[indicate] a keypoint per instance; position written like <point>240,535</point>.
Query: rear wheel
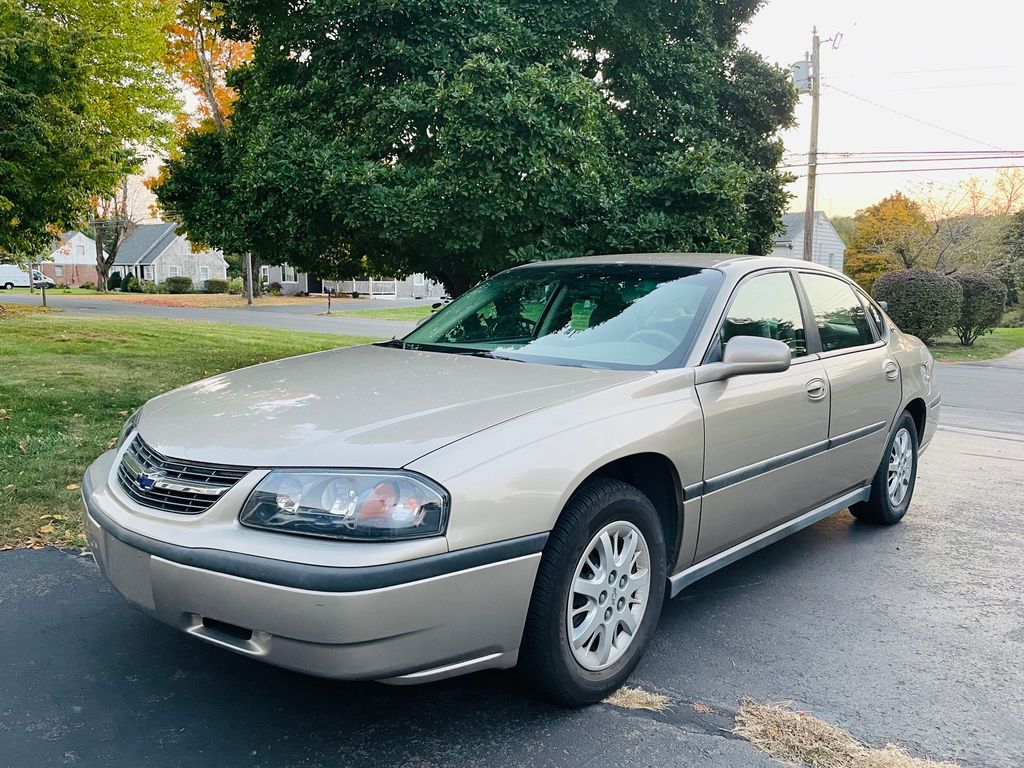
<point>598,594</point>
<point>893,484</point>
<point>8,286</point>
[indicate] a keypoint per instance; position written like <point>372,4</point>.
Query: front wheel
<point>8,286</point>
<point>893,484</point>
<point>598,594</point>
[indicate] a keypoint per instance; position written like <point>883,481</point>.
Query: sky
<point>956,66</point>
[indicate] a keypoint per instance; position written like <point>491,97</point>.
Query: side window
<point>766,306</point>
<point>838,312</point>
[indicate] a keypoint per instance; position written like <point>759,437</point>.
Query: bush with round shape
<point>274,288</point>
<point>236,286</point>
<point>922,302</point>
<point>179,284</point>
<point>114,281</point>
<point>216,285</point>
<point>131,285</point>
<point>982,309</point>
<point>147,286</point>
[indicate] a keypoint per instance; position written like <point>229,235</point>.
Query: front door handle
<point>816,389</point>
<point>891,370</point>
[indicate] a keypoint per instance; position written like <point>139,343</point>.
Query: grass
<point>637,698</point>
<point>407,314</point>
<point>67,384</point>
<point>798,738</point>
<point>1001,341</point>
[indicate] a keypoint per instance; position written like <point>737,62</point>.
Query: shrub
<point>982,309</point>
<point>236,286</point>
<point>179,284</point>
<point>355,294</point>
<point>163,288</point>
<point>114,281</point>
<point>131,284</point>
<point>147,286</point>
<point>89,285</point>
<point>216,285</point>
<point>1013,319</point>
<point>921,301</point>
<point>274,289</point>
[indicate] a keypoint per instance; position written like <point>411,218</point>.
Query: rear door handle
<point>891,370</point>
<point>816,389</point>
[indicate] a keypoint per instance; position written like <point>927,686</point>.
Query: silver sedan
<point>524,478</point>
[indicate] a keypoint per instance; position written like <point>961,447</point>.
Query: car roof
<point>727,262</point>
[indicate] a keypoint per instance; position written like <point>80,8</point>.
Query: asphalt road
<point>912,634</point>
<point>299,317</point>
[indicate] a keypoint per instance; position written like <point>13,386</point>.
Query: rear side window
<point>766,306</point>
<point>837,311</point>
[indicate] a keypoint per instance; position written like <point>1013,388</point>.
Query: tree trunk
<point>455,283</point>
<point>102,270</point>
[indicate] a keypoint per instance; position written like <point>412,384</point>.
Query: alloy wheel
<point>901,466</point>
<point>608,597</point>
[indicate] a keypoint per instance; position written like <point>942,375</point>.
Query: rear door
<point>863,376</point>
<point>765,434</point>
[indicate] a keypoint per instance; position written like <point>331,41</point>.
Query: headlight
<point>342,504</point>
<point>129,425</point>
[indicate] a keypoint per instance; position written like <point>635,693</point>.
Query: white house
<point>72,260</point>
<point>156,252</point>
<point>828,245</point>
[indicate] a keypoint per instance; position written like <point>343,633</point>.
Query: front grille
<point>173,485</point>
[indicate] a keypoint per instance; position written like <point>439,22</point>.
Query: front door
<point>863,376</point>
<point>765,434</point>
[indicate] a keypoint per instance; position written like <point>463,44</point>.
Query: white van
<point>13,276</point>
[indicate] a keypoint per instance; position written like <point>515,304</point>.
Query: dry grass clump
<point>798,738</point>
<point>638,698</point>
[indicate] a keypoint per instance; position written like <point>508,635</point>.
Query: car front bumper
<point>434,623</point>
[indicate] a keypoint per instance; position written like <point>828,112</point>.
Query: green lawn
<point>1000,342</point>
<point>64,291</point>
<point>407,314</point>
<point>67,385</point>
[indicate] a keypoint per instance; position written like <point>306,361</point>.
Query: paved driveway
<point>912,634</point>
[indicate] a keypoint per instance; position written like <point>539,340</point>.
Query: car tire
<point>892,487</point>
<point>8,286</point>
<point>601,661</point>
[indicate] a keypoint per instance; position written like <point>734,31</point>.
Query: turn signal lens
<point>368,506</point>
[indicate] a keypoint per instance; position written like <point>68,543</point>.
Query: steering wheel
<point>653,336</point>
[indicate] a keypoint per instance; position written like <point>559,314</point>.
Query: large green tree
<point>83,92</point>
<point>459,138</point>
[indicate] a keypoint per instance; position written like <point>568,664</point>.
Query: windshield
<point>595,315</point>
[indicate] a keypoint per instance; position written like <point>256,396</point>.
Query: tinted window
<point>838,312</point>
<point>766,306</point>
<point>601,315</point>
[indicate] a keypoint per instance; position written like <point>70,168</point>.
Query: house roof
<point>145,244</point>
<point>794,226</point>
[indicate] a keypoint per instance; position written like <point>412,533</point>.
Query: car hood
<point>366,406</point>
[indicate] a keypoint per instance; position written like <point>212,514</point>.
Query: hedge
<point>921,301</point>
<point>982,310</point>
<point>216,285</point>
<point>179,284</point>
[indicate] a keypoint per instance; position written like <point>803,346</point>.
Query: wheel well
<point>919,412</point>
<point>656,477</point>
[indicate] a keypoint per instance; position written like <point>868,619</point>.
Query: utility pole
<point>812,155</point>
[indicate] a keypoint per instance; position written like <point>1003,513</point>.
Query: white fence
<point>379,288</point>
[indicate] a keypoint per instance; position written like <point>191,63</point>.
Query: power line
<point>947,159</point>
<point>916,170</point>
<point>911,117</point>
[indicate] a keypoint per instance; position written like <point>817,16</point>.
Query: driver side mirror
<point>745,355</point>
<point>884,305</point>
